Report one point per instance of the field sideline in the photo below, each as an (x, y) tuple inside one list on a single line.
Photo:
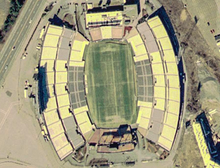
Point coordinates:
[(111, 83)]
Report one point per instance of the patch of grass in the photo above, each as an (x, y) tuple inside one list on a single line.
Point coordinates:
[(111, 85)]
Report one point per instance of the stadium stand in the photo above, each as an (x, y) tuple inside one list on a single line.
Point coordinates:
[(83, 121), (106, 32), (137, 44), (95, 33), (117, 32), (76, 86), (158, 82), (75, 73), (58, 118), (145, 80), (172, 94), (78, 48)]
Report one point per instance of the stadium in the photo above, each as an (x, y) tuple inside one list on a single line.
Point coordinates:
[(105, 91)]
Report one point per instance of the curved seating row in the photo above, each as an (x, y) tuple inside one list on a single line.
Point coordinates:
[(59, 121), (144, 80), (157, 119), (137, 44), (106, 32), (76, 86), (172, 106)]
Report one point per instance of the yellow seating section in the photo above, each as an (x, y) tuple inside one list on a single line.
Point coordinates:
[(55, 30), (160, 81), (48, 53), (51, 41), (50, 90), (159, 92), (154, 22), (165, 44), (144, 104), (51, 104), (173, 81), (62, 146), (59, 141), (106, 32), (61, 65), (60, 89), (78, 48), (61, 77), (166, 86), (48, 64), (51, 117), (56, 81), (50, 78), (55, 129), (173, 107), (141, 50), (174, 94), (82, 120), (81, 109), (156, 68), (137, 45), (65, 151), (140, 58), (167, 133), (78, 64), (165, 143), (144, 122), (160, 104), (156, 58), (63, 100), (169, 56), (64, 112), (170, 120), (171, 69)]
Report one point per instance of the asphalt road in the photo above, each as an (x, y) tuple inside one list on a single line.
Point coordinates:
[(19, 35)]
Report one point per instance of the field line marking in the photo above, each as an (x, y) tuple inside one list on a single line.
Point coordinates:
[(113, 72)]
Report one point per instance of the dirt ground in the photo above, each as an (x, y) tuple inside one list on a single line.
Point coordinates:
[(189, 155), (4, 7)]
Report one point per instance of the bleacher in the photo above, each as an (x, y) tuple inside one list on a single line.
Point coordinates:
[(83, 121), (137, 45), (57, 115), (106, 32), (76, 86), (145, 89), (172, 86), (158, 82)]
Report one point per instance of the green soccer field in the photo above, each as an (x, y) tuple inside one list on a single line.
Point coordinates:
[(111, 83)]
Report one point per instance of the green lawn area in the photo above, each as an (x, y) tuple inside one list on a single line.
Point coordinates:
[(111, 83)]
